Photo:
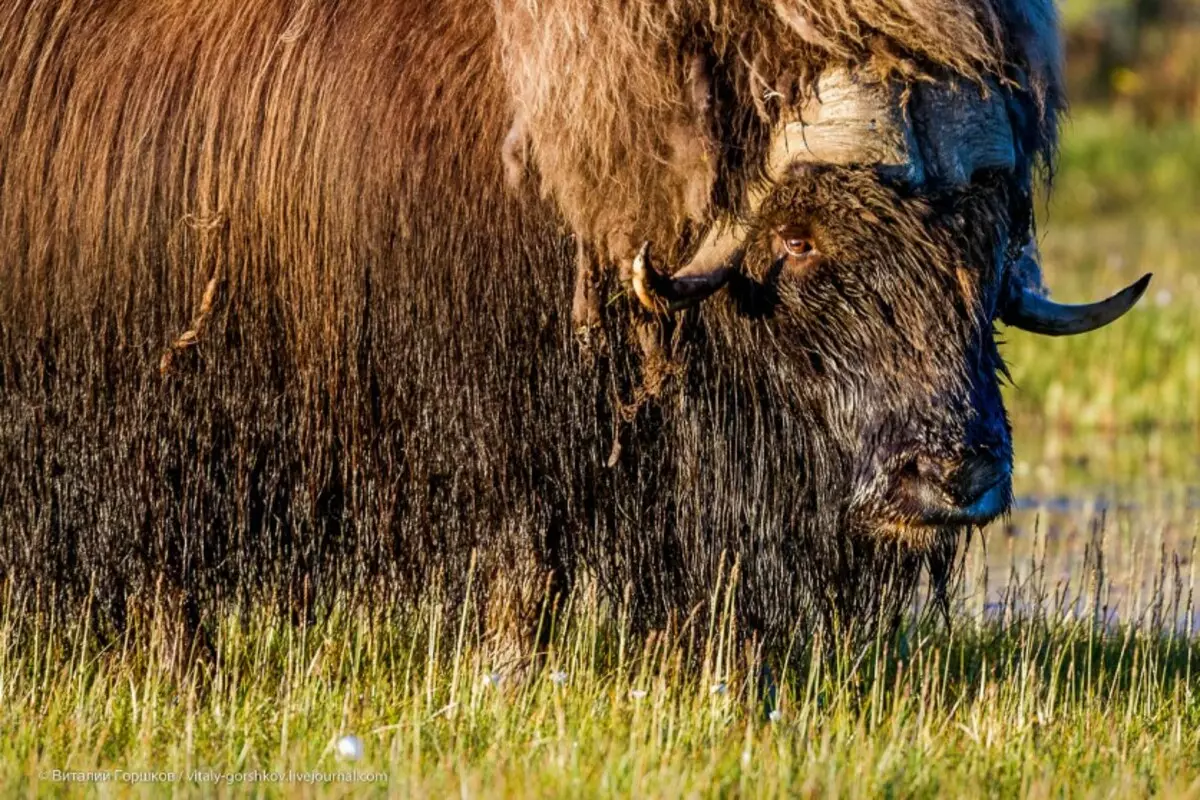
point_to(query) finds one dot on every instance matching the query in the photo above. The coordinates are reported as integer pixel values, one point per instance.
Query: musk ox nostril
(975, 475)
(971, 490)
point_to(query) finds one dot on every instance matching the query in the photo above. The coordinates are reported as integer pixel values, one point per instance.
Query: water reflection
(1103, 528)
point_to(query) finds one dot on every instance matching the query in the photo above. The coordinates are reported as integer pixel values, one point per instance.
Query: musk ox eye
(796, 243)
(798, 246)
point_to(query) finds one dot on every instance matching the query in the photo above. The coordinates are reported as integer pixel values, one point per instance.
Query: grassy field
(1066, 669)
(1031, 696)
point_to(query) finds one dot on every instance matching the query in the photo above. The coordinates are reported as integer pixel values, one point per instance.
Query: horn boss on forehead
(939, 134)
(928, 135)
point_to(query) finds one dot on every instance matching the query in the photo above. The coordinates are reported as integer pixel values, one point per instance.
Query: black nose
(971, 490)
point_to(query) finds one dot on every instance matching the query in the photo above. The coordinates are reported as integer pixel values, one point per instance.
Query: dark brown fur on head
(884, 328)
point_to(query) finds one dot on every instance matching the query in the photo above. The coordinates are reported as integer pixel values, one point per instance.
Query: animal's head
(873, 271)
(864, 199)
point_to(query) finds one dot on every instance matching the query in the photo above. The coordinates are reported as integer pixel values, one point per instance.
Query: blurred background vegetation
(1123, 203)
(1141, 55)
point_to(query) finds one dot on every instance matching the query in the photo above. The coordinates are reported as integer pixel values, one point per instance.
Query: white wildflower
(350, 747)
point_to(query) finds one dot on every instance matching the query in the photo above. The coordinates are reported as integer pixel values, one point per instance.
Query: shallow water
(1103, 527)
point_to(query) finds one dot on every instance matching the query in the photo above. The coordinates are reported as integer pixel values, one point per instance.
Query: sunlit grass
(1111, 167)
(1036, 695)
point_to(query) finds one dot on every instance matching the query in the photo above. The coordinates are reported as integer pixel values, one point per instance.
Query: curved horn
(1026, 306)
(1032, 312)
(708, 271)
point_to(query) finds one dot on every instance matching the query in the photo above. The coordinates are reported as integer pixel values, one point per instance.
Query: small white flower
(775, 715)
(637, 694)
(1163, 298)
(493, 679)
(558, 677)
(350, 747)
(718, 688)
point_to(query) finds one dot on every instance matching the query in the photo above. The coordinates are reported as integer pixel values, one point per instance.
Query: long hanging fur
(381, 377)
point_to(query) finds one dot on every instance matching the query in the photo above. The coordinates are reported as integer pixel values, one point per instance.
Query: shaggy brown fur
(382, 378)
(290, 151)
(152, 145)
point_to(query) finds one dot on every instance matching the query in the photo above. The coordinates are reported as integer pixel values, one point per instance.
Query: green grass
(1074, 12)
(1111, 168)
(1020, 700)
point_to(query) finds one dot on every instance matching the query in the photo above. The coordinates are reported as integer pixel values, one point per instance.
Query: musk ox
(298, 298)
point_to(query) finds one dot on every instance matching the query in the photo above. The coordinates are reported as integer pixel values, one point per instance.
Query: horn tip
(641, 278)
(1140, 285)
(1038, 314)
